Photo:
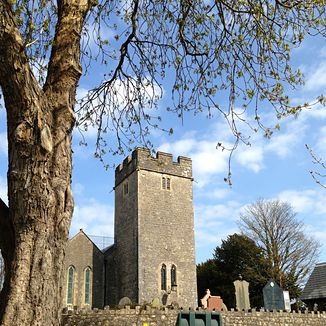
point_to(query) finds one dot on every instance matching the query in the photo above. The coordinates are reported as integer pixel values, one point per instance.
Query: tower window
(70, 287)
(163, 183)
(173, 276)
(125, 188)
(87, 276)
(166, 183)
(163, 277)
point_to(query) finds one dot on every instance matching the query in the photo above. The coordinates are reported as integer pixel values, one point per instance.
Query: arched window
(173, 276)
(163, 183)
(70, 288)
(163, 277)
(87, 285)
(168, 183)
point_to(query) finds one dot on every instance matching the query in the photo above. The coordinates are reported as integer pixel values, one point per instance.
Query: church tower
(154, 252)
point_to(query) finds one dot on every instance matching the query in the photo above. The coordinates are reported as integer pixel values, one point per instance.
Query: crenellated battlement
(141, 158)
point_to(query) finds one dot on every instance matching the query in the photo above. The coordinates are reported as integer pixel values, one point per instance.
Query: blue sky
(269, 168)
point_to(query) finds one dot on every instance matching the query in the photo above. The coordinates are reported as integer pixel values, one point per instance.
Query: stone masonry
(80, 255)
(153, 255)
(140, 316)
(154, 227)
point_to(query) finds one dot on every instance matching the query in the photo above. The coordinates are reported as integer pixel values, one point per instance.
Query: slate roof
(316, 284)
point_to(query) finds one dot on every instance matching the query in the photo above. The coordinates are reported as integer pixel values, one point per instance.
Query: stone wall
(166, 237)
(121, 317)
(154, 228)
(164, 317)
(81, 253)
(163, 163)
(124, 260)
(233, 318)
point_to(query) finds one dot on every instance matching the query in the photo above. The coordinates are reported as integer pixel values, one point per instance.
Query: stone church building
(153, 255)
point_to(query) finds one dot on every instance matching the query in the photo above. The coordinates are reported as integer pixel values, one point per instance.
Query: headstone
(273, 296)
(174, 305)
(125, 301)
(287, 301)
(215, 302)
(164, 299)
(242, 294)
(156, 303)
(212, 302)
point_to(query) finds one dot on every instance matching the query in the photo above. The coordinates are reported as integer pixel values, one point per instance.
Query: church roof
(83, 234)
(316, 284)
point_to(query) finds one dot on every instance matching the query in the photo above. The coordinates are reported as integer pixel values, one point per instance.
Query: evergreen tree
(237, 255)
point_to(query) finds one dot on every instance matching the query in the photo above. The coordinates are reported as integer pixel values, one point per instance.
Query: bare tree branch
(320, 164)
(209, 51)
(274, 227)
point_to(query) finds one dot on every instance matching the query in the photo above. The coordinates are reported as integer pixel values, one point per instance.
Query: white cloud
(180, 147)
(94, 217)
(317, 79)
(214, 223)
(251, 157)
(305, 201)
(218, 212)
(317, 112)
(283, 143)
(210, 164)
(206, 159)
(220, 193)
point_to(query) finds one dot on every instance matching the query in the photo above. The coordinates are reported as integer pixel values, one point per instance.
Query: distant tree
(207, 278)
(237, 255)
(290, 252)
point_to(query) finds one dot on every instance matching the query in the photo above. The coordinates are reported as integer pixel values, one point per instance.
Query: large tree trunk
(40, 123)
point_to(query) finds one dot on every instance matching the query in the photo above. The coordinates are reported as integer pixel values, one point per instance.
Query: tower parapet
(163, 163)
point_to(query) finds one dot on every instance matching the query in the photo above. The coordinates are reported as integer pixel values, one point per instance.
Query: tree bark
(39, 124)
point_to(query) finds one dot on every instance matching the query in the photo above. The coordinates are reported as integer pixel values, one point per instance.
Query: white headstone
(287, 304)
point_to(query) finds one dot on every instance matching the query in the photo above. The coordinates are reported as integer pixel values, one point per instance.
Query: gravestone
(156, 303)
(125, 301)
(287, 301)
(242, 294)
(273, 296)
(215, 303)
(212, 302)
